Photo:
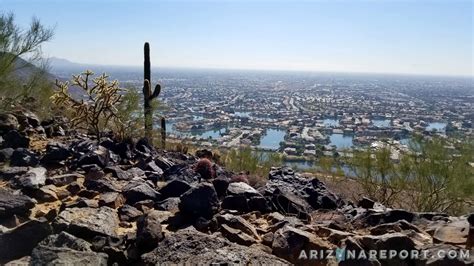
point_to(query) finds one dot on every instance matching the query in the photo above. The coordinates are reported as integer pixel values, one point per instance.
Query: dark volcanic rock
(99, 156)
(88, 222)
(13, 139)
(62, 180)
(118, 173)
(101, 185)
(191, 247)
(111, 199)
(33, 179)
(200, 201)
(66, 249)
(20, 241)
(174, 188)
(138, 191)
(149, 231)
(129, 213)
(289, 242)
(8, 122)
(55, 153)
(5, 154)
(299, 192)
(169, 204)
(244, 198)
(220, 185)
(11, 204)
(14, 171)
(23, 157)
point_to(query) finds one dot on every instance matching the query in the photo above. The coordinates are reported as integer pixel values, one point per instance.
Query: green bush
(24, 81)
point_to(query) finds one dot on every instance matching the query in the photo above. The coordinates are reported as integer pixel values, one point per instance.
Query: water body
(272, 139)
(213, 133)
(331, 122)
(381, 122)
(301, 165)
(439, 126)
(341, 141)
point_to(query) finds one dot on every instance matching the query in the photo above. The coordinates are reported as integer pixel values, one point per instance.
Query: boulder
(63, 180)
(289, 243)
(33, 179)
(138, 191)
(45, 194)
(20, 241)
(237, 229)
(11, 204)
(174, 188)
(118, 173)
(23, 157)
(8, 122)
(149, 231)
(190, 247)
(454, 233)
(163, 163)
(200, 201)
(111, 199)
(56, 152)
(99, 156)
(6, 154)
(66, 249)
(242, 197)
(169, 204)
(284, 183)
(13, 171)
(88, 222)
(220, 185)
(288, 203)
(129, 213)
(366, 203)
(101, 185)
(391, 241)
(14, 139)
(135, 172)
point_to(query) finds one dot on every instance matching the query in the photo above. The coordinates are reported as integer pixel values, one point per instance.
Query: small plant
(205, 169)
(98, 109)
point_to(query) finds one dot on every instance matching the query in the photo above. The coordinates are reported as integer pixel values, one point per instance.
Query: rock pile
(74, 201)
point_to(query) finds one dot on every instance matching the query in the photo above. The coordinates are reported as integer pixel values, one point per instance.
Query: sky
(385, 36)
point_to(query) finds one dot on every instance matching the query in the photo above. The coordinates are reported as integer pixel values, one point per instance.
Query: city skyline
(399, 37)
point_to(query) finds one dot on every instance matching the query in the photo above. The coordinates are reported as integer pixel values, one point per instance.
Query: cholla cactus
(98, 107)
(148, 95)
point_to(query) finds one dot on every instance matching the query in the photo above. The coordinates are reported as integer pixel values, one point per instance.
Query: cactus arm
(156, 92)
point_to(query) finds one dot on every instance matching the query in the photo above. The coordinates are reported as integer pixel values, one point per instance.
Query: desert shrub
(130, 116)
(97, 110)
(255, 162)
(205, 169)
(432, 176)
(24, 79)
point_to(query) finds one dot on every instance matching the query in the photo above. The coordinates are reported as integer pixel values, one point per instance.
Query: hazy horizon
(431, 38)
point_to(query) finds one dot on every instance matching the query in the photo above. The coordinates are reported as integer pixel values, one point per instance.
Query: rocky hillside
(66, 200)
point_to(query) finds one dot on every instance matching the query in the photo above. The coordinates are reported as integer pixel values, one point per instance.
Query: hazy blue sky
(418, 37)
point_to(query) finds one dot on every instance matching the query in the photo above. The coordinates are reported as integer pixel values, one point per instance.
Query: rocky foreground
(66, 200)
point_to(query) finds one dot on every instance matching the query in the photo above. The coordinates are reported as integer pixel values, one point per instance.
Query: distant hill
(58, 64)
(25, 70)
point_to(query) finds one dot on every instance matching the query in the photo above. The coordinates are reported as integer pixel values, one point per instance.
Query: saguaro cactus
(163, 132)
(148, 95)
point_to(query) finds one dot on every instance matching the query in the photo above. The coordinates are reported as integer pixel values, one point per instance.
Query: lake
(272, 139)
(341, 141)
(438, 126)
(381, 122)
